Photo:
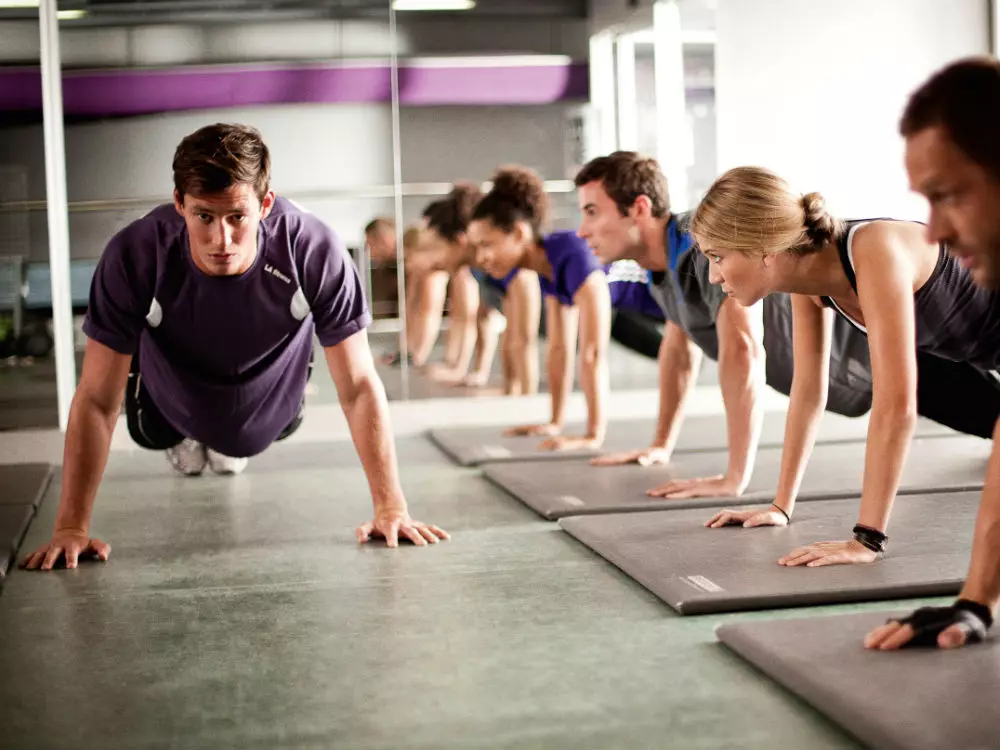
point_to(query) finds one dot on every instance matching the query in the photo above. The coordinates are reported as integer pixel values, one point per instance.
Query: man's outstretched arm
(92, 419)
(363, 400)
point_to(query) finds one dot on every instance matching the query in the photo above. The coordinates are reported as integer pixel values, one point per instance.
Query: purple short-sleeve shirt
(225, 359)
(572, 262)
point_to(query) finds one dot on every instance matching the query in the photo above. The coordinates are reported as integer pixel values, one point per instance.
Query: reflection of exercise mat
(21, 488)
(919, 699)
(470, 446)
(697, 570)
(554, 489)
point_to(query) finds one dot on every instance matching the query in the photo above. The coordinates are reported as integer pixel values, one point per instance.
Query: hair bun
(523, 189)
(820, 226)
(464, 196)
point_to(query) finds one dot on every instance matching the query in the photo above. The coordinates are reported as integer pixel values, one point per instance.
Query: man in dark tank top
(953, 159)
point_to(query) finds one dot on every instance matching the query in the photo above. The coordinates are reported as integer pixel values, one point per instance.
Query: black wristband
(871, 538)
(981, 611)
(782, 512)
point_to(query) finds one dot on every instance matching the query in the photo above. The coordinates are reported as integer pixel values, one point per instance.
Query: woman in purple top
(206, 308)
(506, 231)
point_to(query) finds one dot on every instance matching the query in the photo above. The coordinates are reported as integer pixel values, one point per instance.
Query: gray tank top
(689, 300)
(955, 318)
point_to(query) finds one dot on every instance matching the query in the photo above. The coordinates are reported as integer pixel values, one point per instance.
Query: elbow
(591, 356)
(518, 344)
(682, 355)
(95, 406)
(744, 352)
(897, 409)
(367, 388)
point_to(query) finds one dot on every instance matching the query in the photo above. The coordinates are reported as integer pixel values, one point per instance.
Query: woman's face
(497, 252)
(745, 278)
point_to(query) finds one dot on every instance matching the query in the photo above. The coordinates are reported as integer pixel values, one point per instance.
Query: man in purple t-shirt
(206, 310)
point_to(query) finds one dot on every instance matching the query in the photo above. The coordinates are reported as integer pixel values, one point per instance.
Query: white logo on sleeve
(155, 315)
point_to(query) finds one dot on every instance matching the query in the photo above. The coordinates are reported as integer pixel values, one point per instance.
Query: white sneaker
(188, 457)
(221, 464)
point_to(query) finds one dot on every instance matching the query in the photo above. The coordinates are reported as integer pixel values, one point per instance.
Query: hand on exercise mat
(748, 518)
(570, 443)
(392, 524)
(70, 545)
(718, 486)
(829, 553)
(544, 430)
(941, 627)
(643, 457)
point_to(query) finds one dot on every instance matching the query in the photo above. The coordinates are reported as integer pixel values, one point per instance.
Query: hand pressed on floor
(392, 525)
(71, 545)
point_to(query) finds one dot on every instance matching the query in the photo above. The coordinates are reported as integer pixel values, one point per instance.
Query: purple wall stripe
(108, 93)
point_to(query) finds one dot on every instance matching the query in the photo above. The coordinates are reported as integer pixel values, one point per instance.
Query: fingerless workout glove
(928, 622)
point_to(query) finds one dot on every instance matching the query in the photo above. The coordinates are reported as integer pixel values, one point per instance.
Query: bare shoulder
(880, 242)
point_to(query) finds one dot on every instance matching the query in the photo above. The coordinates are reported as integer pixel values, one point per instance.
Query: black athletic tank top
(955, 318)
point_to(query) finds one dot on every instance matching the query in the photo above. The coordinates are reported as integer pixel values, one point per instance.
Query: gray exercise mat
(21, 489)
(698, 570)
(14, 521)
(919, 699)
(471, 446)
(22, 484)
(573, 487)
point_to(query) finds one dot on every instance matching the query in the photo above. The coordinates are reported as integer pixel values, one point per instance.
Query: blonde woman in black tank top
(885, 276)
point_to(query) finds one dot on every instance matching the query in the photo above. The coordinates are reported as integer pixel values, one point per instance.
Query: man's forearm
(741, 378)
(367, 413)
(88, 442)
(678, 362)
(983, 583)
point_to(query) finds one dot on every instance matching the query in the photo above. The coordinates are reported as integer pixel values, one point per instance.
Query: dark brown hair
(964, 99)
(518, 194)
(219, 156)
(450, 216)
(625, 175)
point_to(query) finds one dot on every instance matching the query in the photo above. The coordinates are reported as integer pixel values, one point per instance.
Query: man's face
(222, 228)
(964, 202)
(611, 235)
(382, 244)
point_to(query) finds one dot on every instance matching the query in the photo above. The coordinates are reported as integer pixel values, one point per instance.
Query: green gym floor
(241, 613)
